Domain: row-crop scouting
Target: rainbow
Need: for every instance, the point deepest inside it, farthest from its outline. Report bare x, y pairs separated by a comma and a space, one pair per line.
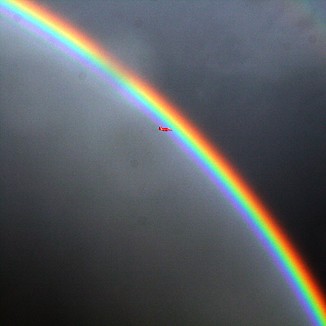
77, 44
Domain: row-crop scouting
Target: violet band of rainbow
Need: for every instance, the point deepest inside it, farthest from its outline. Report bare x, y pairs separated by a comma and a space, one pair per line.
80, 46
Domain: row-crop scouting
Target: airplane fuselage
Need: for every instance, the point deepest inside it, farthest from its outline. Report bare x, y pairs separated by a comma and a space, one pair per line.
164, 129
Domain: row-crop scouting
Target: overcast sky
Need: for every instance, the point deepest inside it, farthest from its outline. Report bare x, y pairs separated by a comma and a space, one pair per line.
105, 221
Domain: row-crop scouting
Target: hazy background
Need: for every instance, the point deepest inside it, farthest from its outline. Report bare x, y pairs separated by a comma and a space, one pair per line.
105, 221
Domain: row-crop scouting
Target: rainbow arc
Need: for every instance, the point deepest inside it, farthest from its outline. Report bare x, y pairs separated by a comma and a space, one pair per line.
209, 157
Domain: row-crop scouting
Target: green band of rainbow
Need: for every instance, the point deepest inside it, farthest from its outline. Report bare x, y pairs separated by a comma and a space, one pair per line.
280, 247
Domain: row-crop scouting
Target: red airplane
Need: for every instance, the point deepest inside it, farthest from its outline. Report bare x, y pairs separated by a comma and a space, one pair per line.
164, 129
